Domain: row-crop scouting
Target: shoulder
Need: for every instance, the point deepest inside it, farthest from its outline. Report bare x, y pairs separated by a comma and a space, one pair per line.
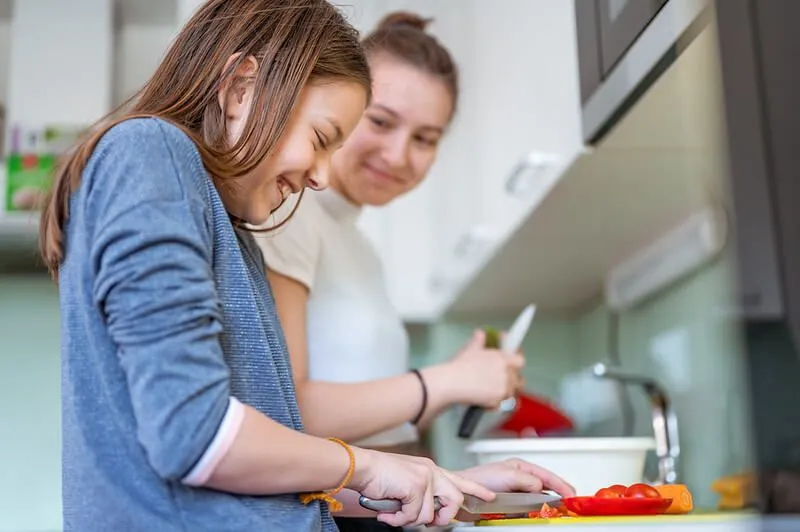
294, 249
143, 138
145, 159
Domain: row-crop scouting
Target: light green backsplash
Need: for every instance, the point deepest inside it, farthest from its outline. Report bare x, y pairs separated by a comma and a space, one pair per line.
710, 398
711, 411
30, 421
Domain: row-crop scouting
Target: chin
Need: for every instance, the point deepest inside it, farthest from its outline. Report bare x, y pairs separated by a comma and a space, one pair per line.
380, 197
259, 216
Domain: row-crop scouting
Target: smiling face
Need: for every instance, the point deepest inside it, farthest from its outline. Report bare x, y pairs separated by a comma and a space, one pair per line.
326, 112
397, 139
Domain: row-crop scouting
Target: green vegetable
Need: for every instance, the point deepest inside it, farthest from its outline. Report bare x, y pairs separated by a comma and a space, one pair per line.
492, 338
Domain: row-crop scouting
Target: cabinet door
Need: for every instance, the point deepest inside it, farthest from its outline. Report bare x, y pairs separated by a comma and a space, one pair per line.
589, 67
620, 23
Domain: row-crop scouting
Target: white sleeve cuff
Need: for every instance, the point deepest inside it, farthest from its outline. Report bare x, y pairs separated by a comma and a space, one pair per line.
220, 445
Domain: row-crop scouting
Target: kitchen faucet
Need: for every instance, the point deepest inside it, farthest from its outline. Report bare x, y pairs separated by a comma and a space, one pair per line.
665, 424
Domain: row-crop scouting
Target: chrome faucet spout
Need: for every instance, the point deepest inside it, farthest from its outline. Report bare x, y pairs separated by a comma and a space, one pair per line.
665, 423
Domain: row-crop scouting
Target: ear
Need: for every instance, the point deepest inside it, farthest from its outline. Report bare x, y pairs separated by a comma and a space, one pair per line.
236, 92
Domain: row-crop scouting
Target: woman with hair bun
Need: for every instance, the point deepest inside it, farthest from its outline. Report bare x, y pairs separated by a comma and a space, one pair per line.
348, 347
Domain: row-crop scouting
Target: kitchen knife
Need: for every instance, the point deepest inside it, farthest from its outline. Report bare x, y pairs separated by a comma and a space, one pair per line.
504, 503
510, 344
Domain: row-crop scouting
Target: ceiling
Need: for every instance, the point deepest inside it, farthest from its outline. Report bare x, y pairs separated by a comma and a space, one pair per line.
661, 162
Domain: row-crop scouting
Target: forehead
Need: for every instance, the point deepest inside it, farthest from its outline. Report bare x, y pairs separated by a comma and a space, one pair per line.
417, 96
333, 99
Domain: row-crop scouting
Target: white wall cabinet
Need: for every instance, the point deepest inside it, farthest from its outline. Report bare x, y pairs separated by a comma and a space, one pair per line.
519, 97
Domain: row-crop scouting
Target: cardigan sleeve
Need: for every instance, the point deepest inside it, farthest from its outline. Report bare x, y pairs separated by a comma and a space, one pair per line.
154, 287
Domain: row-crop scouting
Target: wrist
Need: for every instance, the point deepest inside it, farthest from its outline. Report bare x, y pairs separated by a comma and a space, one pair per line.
443, 385
362, 473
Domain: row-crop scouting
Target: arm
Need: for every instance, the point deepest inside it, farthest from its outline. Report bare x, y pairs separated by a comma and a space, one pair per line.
154, 286
158, 296
357, 410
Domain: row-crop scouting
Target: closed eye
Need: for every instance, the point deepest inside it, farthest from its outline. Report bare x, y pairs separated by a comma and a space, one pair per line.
379, 122
428, 142
323, 142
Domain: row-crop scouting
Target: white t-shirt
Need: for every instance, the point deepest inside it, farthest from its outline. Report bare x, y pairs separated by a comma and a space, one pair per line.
354, 332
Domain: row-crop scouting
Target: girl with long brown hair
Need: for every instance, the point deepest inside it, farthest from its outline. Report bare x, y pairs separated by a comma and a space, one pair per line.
179, 411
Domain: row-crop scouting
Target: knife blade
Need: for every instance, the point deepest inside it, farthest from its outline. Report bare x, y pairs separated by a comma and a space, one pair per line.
504, 503
510, 344
510, 503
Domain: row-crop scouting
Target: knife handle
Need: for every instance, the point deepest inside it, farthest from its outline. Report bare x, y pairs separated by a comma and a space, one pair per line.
470, 422
390, 506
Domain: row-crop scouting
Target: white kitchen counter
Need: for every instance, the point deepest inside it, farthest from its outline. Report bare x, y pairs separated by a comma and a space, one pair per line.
724, 524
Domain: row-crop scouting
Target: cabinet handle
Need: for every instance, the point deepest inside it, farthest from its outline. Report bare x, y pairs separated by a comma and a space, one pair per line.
526, 174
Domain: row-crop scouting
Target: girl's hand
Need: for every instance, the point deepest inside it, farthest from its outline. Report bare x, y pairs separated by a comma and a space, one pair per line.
518, 475
415, 482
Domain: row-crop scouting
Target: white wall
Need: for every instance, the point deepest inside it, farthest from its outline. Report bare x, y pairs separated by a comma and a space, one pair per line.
5, 58
60, 65
138, 50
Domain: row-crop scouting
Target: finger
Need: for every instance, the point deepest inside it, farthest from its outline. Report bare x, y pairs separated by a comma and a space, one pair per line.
427, 512
407, 514
549, 479
515, 361
526, 481
478, 339
469, 487
519, 383
450, 496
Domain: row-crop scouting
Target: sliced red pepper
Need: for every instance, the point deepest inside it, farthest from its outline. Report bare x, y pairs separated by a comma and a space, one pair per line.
492, 517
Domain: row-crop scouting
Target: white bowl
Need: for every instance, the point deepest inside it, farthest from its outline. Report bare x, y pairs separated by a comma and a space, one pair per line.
587, 463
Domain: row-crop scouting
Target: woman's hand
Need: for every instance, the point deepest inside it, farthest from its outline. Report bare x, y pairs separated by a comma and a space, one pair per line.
482, 376
415, 482
518, 475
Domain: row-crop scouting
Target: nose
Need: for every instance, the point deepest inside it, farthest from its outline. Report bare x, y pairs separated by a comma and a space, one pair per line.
395, 152
318, 178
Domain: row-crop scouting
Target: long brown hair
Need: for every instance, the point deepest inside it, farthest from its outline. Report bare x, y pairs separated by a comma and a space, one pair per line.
294, 42
401, 35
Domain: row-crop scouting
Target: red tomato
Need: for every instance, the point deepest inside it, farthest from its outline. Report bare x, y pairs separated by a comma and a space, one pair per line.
607, 493
548, 513
619, 488
642, 491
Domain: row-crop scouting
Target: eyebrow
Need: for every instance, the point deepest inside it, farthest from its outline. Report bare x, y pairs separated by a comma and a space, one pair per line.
394, 114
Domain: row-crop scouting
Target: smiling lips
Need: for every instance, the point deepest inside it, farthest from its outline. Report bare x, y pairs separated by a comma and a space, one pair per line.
384, 176
286, 188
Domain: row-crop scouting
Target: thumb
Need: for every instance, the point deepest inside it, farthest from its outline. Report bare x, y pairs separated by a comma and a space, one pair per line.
478, 339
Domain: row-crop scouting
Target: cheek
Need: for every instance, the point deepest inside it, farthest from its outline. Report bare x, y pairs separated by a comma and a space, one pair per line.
363, 142
294, 156
421, 163
349, 159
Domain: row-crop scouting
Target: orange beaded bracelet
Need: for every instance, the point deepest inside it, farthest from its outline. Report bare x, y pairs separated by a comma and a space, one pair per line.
329, 496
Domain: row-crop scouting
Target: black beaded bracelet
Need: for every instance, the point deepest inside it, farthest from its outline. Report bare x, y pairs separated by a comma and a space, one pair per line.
424, 396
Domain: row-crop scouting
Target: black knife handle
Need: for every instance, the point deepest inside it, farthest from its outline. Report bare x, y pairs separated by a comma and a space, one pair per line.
470, 422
